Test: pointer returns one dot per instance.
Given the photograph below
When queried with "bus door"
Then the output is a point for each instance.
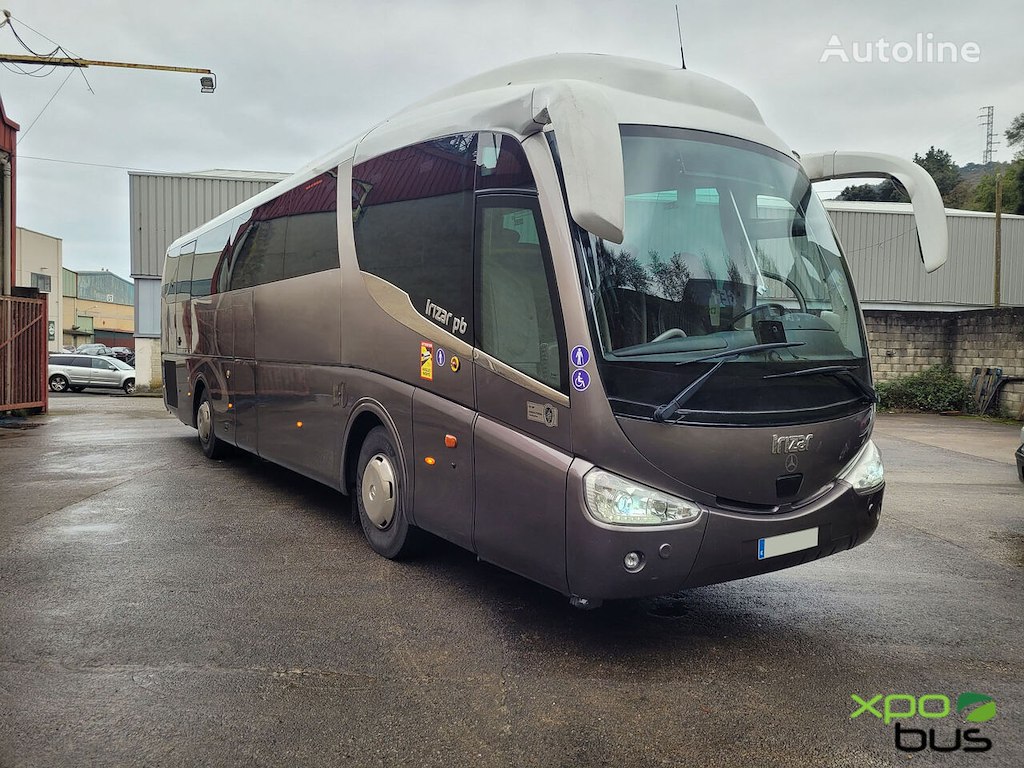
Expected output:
(522, 433)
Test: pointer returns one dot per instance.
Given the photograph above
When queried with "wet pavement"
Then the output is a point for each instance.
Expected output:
(161, 609)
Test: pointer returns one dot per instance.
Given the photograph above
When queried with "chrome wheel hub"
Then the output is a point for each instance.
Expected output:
(204, 422)
(379, 490)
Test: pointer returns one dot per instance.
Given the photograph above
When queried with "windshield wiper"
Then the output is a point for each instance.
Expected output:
(841, 372)
(722, 357)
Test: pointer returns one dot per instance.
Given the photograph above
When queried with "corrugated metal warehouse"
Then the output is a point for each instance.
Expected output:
(162, 207)
(880, 241)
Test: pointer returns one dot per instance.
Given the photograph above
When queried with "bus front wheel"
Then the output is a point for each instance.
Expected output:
(380, 485)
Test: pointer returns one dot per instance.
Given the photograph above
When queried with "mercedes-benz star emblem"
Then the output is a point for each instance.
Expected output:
(791, 462)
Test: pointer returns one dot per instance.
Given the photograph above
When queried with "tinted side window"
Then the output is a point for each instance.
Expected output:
(412, 213)
(170, 274)
(294, 234)
(102, 364)
(220, 281)
(81, 362)
(311, 243)
(209, 247)
(519, 317)
(260, 255)
(59, 359)
(501, 163)
(183, 281)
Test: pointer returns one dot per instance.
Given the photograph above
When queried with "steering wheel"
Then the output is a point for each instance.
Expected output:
(671, 333)
(799, 294)
(757, 308)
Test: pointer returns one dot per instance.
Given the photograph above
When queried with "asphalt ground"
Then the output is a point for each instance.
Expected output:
(157, 608)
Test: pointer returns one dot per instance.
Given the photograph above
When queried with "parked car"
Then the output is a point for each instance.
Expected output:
(1020, 456)
(76, 372)
(124, 353)
(95, 349)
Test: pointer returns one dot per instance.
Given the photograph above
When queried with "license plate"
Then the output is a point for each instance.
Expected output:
(773, 546)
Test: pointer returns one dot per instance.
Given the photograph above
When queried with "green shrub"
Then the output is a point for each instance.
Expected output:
(936, 389)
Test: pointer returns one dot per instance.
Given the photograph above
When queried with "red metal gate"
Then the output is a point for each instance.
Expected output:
(23, 355)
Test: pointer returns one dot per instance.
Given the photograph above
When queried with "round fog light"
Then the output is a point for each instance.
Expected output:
(633, 561)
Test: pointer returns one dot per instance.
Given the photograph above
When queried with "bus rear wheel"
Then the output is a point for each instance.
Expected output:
(380, 485)
(212, 446)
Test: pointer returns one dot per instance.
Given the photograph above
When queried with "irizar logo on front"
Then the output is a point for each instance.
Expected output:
(791, 443)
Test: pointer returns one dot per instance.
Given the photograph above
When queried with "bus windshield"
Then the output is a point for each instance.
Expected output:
(725, 246)
(720, 234)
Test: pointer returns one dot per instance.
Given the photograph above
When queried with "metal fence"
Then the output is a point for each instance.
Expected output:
(23, 355)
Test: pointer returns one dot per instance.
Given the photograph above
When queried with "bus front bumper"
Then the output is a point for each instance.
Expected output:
(721, 546)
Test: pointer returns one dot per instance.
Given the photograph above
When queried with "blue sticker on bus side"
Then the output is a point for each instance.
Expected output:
(440, 355)
(580, 355)
(580, 380)
(760, 549)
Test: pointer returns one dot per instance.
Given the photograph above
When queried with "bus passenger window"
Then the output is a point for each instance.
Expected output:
(209, 247)
(517, 316)
(261, 256)
(311, 243)
(413, 225)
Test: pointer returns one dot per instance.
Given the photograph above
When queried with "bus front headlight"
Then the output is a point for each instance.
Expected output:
(865, 472)
(616, 500)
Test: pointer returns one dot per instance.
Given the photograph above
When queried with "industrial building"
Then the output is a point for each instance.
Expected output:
(39, 263)
(99, 307)
(880, 241)
(162, 207)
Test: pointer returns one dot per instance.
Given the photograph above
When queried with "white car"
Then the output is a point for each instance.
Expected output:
(76, 372)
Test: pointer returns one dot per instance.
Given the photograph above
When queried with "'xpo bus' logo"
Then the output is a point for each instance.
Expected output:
(891, 708)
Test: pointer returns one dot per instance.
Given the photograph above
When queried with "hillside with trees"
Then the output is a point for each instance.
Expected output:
(971, 186)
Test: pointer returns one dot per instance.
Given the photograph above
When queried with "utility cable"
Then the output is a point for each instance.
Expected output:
(36, 119)
(91, 165)
(51, 55)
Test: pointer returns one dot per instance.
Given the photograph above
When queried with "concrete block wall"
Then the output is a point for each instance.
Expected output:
(148, 373)
(902, 343)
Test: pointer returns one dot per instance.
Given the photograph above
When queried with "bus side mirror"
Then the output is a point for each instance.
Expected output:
(590, 150)
(929, 210)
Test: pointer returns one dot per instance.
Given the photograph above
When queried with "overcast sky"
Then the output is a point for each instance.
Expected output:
(298, 79)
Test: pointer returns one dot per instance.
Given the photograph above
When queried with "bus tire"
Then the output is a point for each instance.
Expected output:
(380, 486)
(212, 446)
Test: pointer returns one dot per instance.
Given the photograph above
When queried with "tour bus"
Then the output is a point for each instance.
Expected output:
(581, 315)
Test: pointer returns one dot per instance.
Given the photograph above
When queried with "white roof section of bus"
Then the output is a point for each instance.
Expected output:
(639, 91)
(509, 98)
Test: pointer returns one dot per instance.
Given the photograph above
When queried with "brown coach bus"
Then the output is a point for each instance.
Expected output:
(583, 316)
